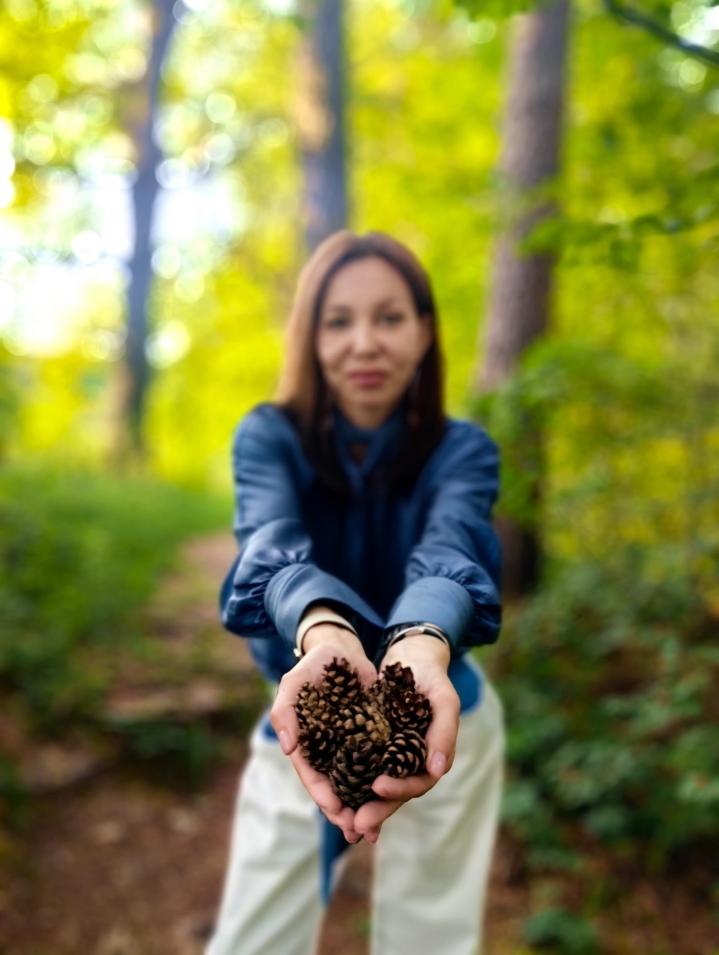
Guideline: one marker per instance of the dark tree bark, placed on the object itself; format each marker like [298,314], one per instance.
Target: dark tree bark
[520,299]
[144,195]
[320,118]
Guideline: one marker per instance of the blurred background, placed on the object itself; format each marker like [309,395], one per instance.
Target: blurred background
[165,169]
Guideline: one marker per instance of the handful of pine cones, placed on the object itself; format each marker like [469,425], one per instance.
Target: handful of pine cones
[354,734]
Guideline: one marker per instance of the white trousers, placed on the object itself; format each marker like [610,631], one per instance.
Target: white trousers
[432,858]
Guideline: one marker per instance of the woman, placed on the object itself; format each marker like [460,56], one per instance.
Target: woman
[363,521]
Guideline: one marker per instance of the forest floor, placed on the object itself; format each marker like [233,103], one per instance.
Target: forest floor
[116,862]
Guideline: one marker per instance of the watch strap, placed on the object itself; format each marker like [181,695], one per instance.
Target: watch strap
[419,627]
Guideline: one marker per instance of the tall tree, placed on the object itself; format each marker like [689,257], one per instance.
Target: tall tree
[144,196]
[320,119]
[520,298]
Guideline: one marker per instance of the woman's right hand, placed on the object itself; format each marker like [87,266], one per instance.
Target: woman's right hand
[322,644]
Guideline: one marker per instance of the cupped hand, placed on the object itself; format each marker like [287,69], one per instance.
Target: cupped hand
[322,643]
[428,659]
[320,789]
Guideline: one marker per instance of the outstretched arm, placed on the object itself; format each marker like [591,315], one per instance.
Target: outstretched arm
[274,578]
[274,581]
[453,574]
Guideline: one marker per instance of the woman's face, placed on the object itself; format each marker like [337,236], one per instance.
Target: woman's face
[370,339]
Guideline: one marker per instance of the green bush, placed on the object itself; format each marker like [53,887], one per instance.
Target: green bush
[602,451]
[172,751]
[561,931]
[609,679]
[80,553]
[608,669]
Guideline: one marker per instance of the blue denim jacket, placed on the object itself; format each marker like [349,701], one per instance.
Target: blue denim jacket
[380,559]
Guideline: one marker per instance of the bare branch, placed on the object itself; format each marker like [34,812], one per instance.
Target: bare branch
[664,33]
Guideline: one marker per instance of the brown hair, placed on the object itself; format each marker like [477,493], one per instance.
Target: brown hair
[302,392]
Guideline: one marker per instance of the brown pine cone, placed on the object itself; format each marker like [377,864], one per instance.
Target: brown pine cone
[318,744]
[397,678]
[311,705]
[363,718]
[411,710]
[356,766]
[375,693]
[340,684]
[404,706]
[405,754]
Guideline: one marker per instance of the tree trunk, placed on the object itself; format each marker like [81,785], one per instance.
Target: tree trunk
[520,298]
[144,194]
[320,120]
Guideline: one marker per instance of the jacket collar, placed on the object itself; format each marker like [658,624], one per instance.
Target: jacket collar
[380,441]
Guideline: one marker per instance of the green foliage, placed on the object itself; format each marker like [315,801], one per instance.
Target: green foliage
[607,672]
[9,400]
[426,140]
[173,752]
[80,554]
[608,677]
[561,931]
[499,8]
[14,796]
[629,444]
[635,232]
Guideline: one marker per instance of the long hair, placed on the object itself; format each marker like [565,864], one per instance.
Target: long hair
[302,392]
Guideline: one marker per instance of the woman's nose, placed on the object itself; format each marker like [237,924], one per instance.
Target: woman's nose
[364,339]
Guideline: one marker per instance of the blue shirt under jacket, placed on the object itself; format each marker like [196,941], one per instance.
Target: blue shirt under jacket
[380,558]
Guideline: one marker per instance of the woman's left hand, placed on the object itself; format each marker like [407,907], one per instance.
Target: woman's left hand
[428,657]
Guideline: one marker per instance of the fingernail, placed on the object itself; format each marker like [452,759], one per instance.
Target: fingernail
[285,743]
[437,764]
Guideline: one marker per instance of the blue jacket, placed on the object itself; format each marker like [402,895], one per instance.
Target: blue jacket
[380,559]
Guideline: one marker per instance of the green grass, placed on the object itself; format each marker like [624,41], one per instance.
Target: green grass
[80,554]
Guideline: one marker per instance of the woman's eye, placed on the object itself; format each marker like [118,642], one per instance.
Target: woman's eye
[392,318]
[338,321]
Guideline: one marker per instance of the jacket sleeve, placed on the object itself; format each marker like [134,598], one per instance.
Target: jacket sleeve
[274,579]
[453,574]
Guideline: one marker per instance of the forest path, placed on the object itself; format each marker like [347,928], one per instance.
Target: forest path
[115,863]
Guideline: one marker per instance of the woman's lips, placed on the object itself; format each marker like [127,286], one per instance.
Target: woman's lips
[368,379]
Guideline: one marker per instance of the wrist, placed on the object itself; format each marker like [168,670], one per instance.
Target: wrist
[315,616]
[419,646]
[322,634]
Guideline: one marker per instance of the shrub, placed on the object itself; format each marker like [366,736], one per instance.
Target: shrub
[608,678]
[79,555]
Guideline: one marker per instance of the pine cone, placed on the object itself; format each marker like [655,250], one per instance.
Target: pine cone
[411,710]
[405,754]
[364,719]
[340,685]
[376,693]
[404,707]
[318,744]
[397,678]
[312,706]
[356,767]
